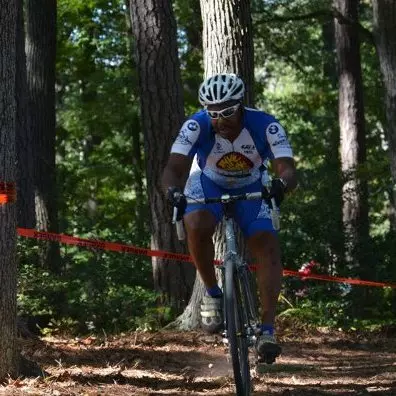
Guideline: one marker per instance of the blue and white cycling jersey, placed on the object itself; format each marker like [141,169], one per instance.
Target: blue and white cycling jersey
[232,164]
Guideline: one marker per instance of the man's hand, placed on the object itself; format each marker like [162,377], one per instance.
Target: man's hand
[177,199]
[277,191]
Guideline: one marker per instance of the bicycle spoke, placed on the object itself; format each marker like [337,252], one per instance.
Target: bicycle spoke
[236,332]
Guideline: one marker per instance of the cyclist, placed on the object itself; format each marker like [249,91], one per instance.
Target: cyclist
[222,149]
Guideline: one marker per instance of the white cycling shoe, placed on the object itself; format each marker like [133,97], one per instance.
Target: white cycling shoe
[212,314]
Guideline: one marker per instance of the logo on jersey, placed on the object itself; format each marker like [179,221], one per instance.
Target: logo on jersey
[182,138]
[281,142]
[218,148]
[248,148]
[273,129]
[192,126]
[234,162]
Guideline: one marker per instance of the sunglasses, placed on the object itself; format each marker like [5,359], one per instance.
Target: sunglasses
[225,113]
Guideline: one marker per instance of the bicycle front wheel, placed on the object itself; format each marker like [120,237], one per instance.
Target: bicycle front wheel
[236,332]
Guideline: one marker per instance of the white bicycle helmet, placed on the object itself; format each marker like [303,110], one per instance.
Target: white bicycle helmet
[221,88]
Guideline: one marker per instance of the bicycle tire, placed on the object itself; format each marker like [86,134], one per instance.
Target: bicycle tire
[238,343]
[249,293]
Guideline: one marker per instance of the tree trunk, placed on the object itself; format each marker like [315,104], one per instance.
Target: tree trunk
[332,142]
[385,37]
[352,136]
[40,54]
[8,267]
[24,143]
[154,28]
[227,47]
[136,132]
[228,40]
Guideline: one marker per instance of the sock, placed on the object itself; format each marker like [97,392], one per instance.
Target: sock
[214,291]
[267,329]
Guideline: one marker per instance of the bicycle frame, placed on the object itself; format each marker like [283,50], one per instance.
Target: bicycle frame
[239,331]
[240,313]
[250,321]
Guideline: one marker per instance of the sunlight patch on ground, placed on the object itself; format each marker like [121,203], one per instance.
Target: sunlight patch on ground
[181,364]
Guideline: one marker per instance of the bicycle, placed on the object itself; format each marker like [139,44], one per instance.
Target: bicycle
[241,319]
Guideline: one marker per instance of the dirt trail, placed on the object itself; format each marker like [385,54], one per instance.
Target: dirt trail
[172,363]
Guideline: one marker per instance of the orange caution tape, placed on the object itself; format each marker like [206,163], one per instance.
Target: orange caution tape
[338,279]
[118,247]
[115,247]
[7,192]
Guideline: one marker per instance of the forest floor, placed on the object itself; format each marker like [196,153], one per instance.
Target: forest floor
[192,363]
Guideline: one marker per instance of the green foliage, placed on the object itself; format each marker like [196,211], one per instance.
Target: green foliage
[297,79]
[96,290]
[155,318]
[100,160]
[101,191]
[333,305]
[190,50]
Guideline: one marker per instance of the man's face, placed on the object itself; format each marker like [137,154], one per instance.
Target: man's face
[226,118]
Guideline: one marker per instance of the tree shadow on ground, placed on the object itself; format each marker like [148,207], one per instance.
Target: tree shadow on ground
[189,363]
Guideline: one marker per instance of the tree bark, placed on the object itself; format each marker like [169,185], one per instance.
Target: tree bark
[227,47]
[8,267]
[385,37]
[40,54]
[154,28]
[352,136]
[137,137]
[24,143]
[228,40]
[332,142]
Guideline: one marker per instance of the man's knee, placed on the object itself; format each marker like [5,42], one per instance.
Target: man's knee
[264,243]
[200,224]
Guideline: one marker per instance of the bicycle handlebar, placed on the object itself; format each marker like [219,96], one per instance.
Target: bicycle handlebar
[227,198]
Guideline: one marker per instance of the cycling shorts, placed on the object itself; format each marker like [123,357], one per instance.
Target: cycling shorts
[252,216]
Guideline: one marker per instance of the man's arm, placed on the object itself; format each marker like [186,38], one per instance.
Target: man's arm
[176,171]
[284,167]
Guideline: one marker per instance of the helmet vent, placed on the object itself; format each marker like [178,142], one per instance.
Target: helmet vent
[221,88]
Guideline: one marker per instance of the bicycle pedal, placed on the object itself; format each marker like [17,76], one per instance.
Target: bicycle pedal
[267,359]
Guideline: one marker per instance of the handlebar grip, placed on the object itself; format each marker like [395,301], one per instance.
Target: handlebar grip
[275,215]
[174,216]
[181,233]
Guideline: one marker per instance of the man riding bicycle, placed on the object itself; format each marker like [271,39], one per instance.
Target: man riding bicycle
[223,149]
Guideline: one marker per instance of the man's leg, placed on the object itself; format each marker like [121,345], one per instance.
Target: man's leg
[265,251]
[200,226]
